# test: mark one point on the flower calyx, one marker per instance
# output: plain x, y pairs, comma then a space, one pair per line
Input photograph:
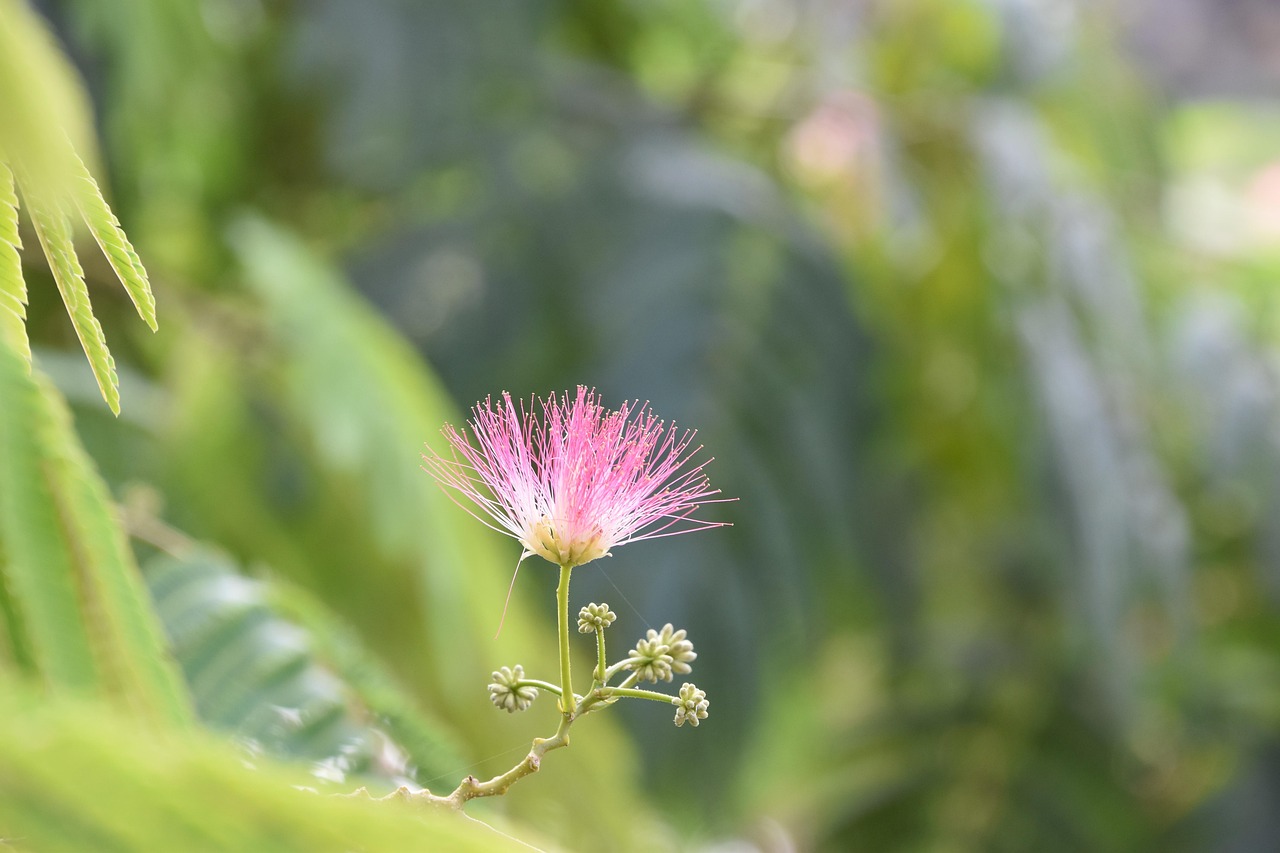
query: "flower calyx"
546, 540
506, 691
594, 618
691, 705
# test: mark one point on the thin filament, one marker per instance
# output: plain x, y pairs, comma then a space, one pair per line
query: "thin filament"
502, 620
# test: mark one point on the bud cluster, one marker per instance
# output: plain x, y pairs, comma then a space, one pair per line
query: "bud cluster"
650, 661
662, 653
691, 706
506, 691
659, 656
595, 617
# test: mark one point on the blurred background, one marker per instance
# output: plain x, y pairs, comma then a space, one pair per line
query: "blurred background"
972, 300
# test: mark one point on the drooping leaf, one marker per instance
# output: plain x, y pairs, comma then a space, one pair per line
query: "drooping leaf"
45, 139
13, 289
74, 599
53, 229
115, 245
297, 691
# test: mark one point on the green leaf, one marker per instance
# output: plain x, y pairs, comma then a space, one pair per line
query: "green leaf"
77, 776
40, 567
74, 598
46, 122
298, 691
13, 290
115, 245
53, 228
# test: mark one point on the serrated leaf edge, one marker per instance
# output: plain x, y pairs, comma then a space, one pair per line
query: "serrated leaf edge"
13, 288
53, 229
106, 230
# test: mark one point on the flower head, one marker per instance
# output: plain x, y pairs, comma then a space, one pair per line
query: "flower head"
570, 479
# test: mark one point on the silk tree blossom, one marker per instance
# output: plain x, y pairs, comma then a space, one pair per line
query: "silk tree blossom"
571, 480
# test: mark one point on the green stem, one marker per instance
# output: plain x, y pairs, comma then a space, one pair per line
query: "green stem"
634, 693
571, 708
601, 663
470, 787
615, 669
567, 703
541, 685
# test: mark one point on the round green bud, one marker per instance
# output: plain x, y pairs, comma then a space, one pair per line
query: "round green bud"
506, 692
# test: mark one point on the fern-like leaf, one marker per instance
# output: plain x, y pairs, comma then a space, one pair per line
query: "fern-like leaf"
43, 611
13, 289
46, 121
115, 245
53, 229
298, 688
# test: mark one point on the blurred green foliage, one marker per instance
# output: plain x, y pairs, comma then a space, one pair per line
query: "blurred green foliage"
79, 777
974, 315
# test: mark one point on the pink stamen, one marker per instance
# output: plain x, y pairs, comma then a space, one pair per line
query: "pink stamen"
571, 480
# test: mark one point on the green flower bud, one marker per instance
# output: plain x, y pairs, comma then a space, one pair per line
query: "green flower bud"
595, 617
680, 649
650, 660
691, 706
506, 693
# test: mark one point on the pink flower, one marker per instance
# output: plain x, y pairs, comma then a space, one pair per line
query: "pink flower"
575, 480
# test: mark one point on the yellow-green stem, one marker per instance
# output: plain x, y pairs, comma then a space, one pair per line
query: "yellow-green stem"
601, 663
633, 693
567, 702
